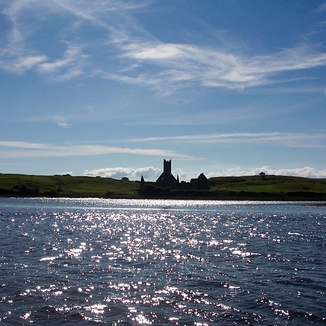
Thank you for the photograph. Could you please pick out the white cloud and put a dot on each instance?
(306, 172)
(149, 173)
(25, 150)
(137, 56)
(22, 145)
(212, 67)
(72, 64)
(63, 122)
(58, 64)
(154, 52)
(285, 139)
(26, 63)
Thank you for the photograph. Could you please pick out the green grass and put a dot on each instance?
(271, 184)
(71, 186)
(248, 187)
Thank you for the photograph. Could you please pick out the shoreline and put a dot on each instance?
(256, 188)
(304, 201)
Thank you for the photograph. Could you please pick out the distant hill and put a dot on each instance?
(269, 187)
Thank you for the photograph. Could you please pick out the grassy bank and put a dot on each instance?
(270, 187)
(249, 187)
(66, 186)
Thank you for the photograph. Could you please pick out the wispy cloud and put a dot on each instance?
(70, 66)
(132, 55)
(209, 67)
(322, 8)
(11, 149)
(286, 139)
(26, 62)
(62, 122)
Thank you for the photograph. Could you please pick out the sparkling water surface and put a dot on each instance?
(161, 262)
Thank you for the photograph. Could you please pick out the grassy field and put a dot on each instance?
(271, 184)
(270, 187)
(249, 187)
(66, 186)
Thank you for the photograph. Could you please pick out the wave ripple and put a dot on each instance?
(117, 262)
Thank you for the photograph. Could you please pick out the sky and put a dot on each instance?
(112, 87)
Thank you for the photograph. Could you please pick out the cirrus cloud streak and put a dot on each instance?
(284, 138)
(130, 54)
(12, 149)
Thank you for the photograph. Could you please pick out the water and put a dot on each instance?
(161, 262)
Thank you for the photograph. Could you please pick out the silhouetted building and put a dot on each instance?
(167, 180)
(200, 183)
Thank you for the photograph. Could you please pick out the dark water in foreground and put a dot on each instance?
(139, 262)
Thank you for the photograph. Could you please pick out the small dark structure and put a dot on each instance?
(168, 180)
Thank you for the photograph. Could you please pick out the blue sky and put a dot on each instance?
(111, 88)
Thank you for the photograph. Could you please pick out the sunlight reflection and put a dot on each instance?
(26, 315)
(245, 253)
(96, 308)
(142, 320)
(162, 264)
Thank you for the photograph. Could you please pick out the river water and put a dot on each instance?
(161, 262)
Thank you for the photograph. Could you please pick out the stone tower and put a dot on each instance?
(167, 179)
(167, 167)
